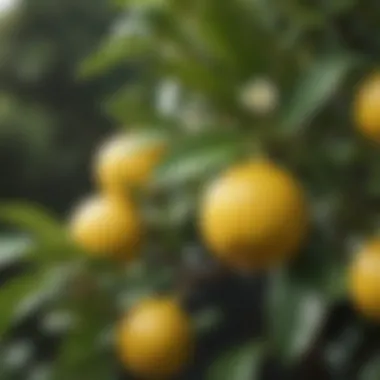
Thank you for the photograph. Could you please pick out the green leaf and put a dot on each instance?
(234, 30)
(267, 11)
(317, 267)
(295, 314)
(40, 372)
(342, 350)
(197, 157)
(16, 355)
(82, 355)
(141, 3)
(115, 52)
(132, 104)
(371, 370)
(86, 352)
(315, 88)
(13, 293)
(32, 218)
(242, 363)
(13, 248)
(53, 284)
(200, 78)
(340, 6)
(49, 234)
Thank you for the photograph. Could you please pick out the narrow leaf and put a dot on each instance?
(31, 218)
(197, 157)
(295, 314)
(86, 350)
(13, 248)
(241, 363)
(115, 52)
(315, 88)
(50, 235)
(13, 293)
(371, 370)
(141, 3)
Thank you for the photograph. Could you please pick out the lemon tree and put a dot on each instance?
(244, 177)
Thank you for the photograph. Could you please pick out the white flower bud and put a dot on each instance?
(260, 96)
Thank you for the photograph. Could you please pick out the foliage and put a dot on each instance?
(195, 57)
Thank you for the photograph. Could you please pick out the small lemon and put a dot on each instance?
(367, 107)
(127, 161)
(155, 340)
(364, 280)
(254, 216)
(106, 226)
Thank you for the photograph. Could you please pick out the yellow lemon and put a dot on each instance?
(127, 161)
(254, 216)
(106, 226)
(155, 340)
(365, 281)
(367, 108)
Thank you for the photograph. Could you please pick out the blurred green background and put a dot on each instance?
(224, 79)
(50, 120)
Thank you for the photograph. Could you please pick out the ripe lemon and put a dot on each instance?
(127, 160)
(106, 226)
(367, 107)
(254, 216)
(365, 281)
(155, 340)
